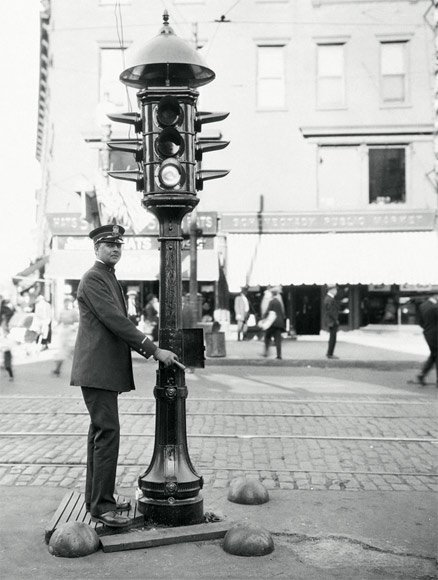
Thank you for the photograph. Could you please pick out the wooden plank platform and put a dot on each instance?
(150, 538)
(72, 509)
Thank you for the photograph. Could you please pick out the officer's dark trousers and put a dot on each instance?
(333, 330)
(103, 449)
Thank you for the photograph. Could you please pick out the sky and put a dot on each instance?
(19, 170)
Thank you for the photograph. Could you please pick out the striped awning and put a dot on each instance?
(134, 265)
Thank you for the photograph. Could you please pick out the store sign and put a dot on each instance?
(270, 223)
(205, 221)
(418, 288)
(140, 243)
(379, 288)
(137, 243)
(62, 223)
(72, 243)
(201, 244)
(72, 224)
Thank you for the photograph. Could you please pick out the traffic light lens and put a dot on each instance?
(168, 111)
(170, 173)
(169, 143)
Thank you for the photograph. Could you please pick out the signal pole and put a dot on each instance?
(167, 72)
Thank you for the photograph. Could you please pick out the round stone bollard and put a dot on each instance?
(248, 540)
(73, 540)
(247, 491)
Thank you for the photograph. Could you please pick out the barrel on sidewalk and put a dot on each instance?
(215, 343)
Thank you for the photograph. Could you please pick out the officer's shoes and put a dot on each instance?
(121, 506)
(112, 520)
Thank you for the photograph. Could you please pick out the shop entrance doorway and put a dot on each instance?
(307, 306)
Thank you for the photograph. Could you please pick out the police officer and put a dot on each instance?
(102, 367)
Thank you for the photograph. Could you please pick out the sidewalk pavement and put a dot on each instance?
(397, 346)
(318, 535)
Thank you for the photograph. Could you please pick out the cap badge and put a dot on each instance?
(115, 230)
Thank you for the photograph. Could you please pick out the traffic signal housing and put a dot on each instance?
(169, 150)
(205, 145)
(169, 160)
(134, 146)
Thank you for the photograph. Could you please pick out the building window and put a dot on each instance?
(387, 175)
(330, 75)
(110, 87)
(393, 71)
(339, 177)
(271, 89)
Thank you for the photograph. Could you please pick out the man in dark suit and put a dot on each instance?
(331, 314)
(102, 367)
(274, 322)
(428, 318)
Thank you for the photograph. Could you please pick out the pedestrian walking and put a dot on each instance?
(102, 367)
(43, 312)
(187, 312)
(66, 330)
(274, 322)
(6, 309)
(6, 344)
(132, 307)
(241, 311)
(331, 315)
(151, 313)
(266, 299)
(428, 319)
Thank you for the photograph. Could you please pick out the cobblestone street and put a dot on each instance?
(301, 430)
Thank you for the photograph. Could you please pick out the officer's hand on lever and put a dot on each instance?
(167, 357)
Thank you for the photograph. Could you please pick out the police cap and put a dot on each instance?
(111, 233)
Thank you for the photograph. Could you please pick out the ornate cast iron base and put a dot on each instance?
(172, 513)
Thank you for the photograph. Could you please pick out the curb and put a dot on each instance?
(384, 365)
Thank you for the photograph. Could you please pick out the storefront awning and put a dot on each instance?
(350, 258)
(134, 265)
(29, 276)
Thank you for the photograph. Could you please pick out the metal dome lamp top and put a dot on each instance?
(165, 61)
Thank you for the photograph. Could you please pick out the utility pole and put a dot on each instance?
(193, 280)
(436, 91)
(193, 231)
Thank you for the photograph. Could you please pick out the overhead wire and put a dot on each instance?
(391, 24)
(120, 36)
(233, 6)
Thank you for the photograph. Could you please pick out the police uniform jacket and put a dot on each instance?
(102, 357)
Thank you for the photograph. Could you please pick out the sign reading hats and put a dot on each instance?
(110, 233)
